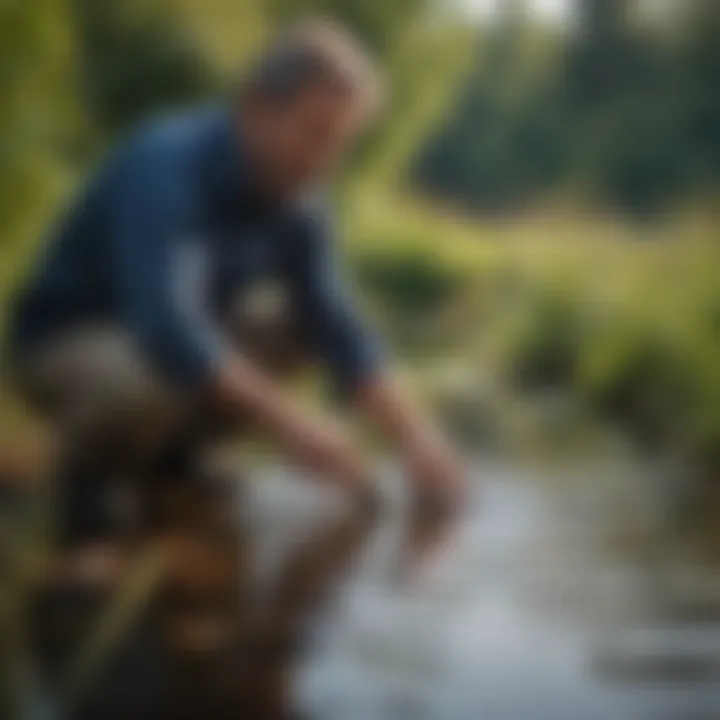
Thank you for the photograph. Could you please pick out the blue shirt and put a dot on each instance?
(169, 231)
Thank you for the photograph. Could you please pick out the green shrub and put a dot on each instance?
(648, 386)
(411, 283)
(545, 352)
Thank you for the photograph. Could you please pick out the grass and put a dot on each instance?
(623, 321)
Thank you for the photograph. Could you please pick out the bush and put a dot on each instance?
(413, 286)
(545, 354)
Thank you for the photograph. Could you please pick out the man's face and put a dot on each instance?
(297, 143)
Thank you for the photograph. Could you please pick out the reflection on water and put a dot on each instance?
(511, 612)
(520, 609)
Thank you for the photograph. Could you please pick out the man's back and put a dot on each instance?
(75, 280)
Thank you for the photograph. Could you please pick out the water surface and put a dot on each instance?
(522, 608)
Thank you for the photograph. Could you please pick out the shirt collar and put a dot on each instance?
(228, 170)
(232, 180)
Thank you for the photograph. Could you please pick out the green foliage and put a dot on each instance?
(547, 349)
(622, 329)
(408, 282)
(625, 116)
(134, 59)
(36, 110)
(647, 385)
(495, 148)
(645, 360)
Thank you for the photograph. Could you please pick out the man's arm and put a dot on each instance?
(343, 341)
(431, 462)
(161, 271)
(314, 442)
(162, 287)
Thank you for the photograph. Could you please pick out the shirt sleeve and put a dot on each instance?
(333, 324)
(162, 273)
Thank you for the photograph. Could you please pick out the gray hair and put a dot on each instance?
(312, 53)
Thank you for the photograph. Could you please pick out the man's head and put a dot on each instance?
(303, 104)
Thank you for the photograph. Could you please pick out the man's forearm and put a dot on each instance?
(396, 414)
(432, 464)
(246, 391)
(312, 441)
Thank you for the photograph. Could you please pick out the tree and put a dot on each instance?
(37, 110)
(627, 115)
(134, 58)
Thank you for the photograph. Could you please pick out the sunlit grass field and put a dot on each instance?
(622, 320)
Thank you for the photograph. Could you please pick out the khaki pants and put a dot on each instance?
(96, 385)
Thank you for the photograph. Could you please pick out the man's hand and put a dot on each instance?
(316, 444)
(438, 478)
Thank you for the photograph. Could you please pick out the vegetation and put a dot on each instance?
(625, 112)
(619, 322)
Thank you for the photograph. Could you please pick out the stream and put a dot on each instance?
(521, 609)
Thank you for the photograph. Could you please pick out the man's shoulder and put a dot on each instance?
(162, 157)
(171, 139)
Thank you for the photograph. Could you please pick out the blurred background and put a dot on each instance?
(534, 222)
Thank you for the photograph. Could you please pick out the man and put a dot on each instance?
(127, 327)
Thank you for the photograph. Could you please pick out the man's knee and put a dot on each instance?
(96, 381)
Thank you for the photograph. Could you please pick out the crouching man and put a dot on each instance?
(129, 331)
